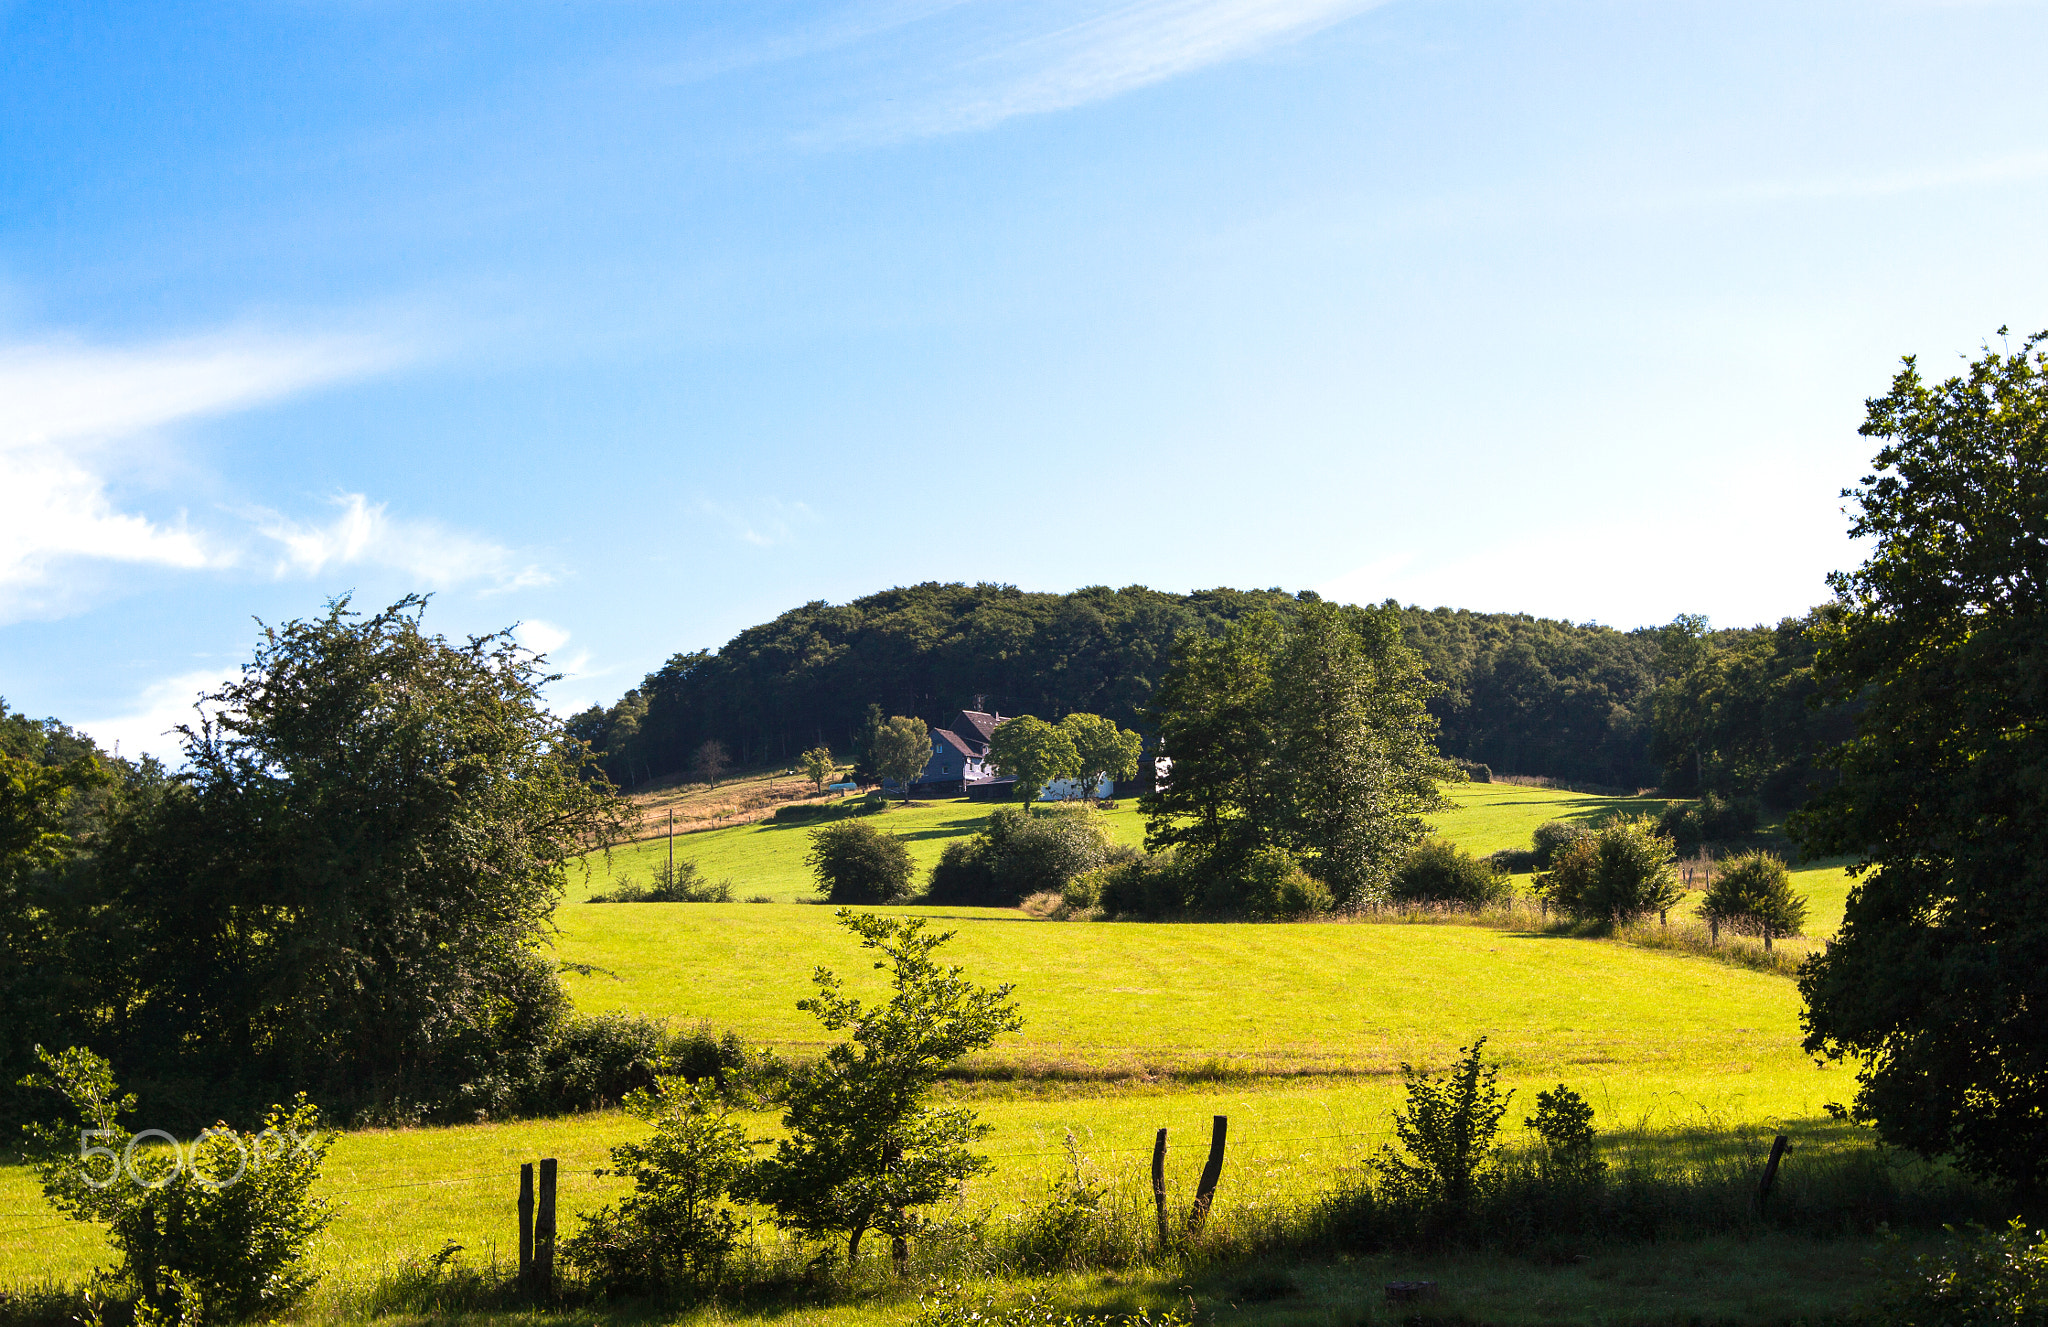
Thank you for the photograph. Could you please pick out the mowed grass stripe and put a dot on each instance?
(1133, 996)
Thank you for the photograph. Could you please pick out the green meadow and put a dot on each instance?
(1296, 1032)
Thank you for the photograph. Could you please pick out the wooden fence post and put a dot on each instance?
(544, 1230)
(526, 1226)
(1779, 1145)
(1159, 1183)
(1205, 1192)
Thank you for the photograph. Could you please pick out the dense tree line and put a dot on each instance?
(1679, 705)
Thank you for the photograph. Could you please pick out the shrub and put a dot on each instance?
(1982, 1277)
(1752, 895)
(221, 1231)
(592, 1060)
(1475, 772)
(1439, 871)
(964, 874)
(1021, 852)
(1564, 1121)
(1512, 861)
(857, 863)
(1711, 819)
(675, 1231)
(1275, 885)
(1552, 835)
(1620, 872)
(680, 883)
(1062, 1233)
(1447, 1131)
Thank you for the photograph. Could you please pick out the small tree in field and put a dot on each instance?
(221, 1231)
(865, 1148)
(899, 750)
(1752, 895)
(857, 863)
(709, 762)
(818, 766)
(1101, 749)
(1034, 753)
(1622, 871)
(1447, 1132)
(674, 1231)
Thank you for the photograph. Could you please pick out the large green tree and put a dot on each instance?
(1937, 984)
(899, 750)
(1101, 749)
(1312, 737)
(348, 888)
(1034, 753)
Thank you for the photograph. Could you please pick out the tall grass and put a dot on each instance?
(1687, 935)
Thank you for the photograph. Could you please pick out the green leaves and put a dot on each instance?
(1313, 739)
(1034, 753)
(865, 1150)
(1936, 980)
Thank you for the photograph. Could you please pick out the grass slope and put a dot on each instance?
(1132, 998)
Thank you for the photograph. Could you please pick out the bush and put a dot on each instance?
(1512, 861)
(680, 883)
(964, 875)
(1275, 885)
(857, 863)
(1983, 1277)
(1619, 873)
(219, 1232)
(1711, 819)
(593, 1060)
(675, 1231)
(1447, 1132)
(1474, 771)
(1552, 835)
(1752, 895)
(1439, 871)
(1021, 852)
(1564, 1121)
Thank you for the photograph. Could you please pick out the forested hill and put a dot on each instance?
(1522, 694)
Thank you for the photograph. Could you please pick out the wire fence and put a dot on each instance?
(1243, 1149)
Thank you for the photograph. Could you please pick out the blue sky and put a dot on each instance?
(638, 323)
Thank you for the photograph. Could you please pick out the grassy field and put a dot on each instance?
(402, 1193)
(1293, 1031)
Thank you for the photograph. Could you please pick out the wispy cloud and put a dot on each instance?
(769, 522)
(80, 423)
(1127, 47)
(929, 67)
(75, 417)
(365, 533)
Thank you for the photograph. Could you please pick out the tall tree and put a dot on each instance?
(1938, 979)
(1214, 716)
(347, 890)
(1314, 738)
(1357, 763)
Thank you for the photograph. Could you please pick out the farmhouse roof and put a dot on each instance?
(983, 724)
(953, 740)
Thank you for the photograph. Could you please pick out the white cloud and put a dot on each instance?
(73, 418)
(146, 728)
(956, 69)
(366, 534)
(1130, 47)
